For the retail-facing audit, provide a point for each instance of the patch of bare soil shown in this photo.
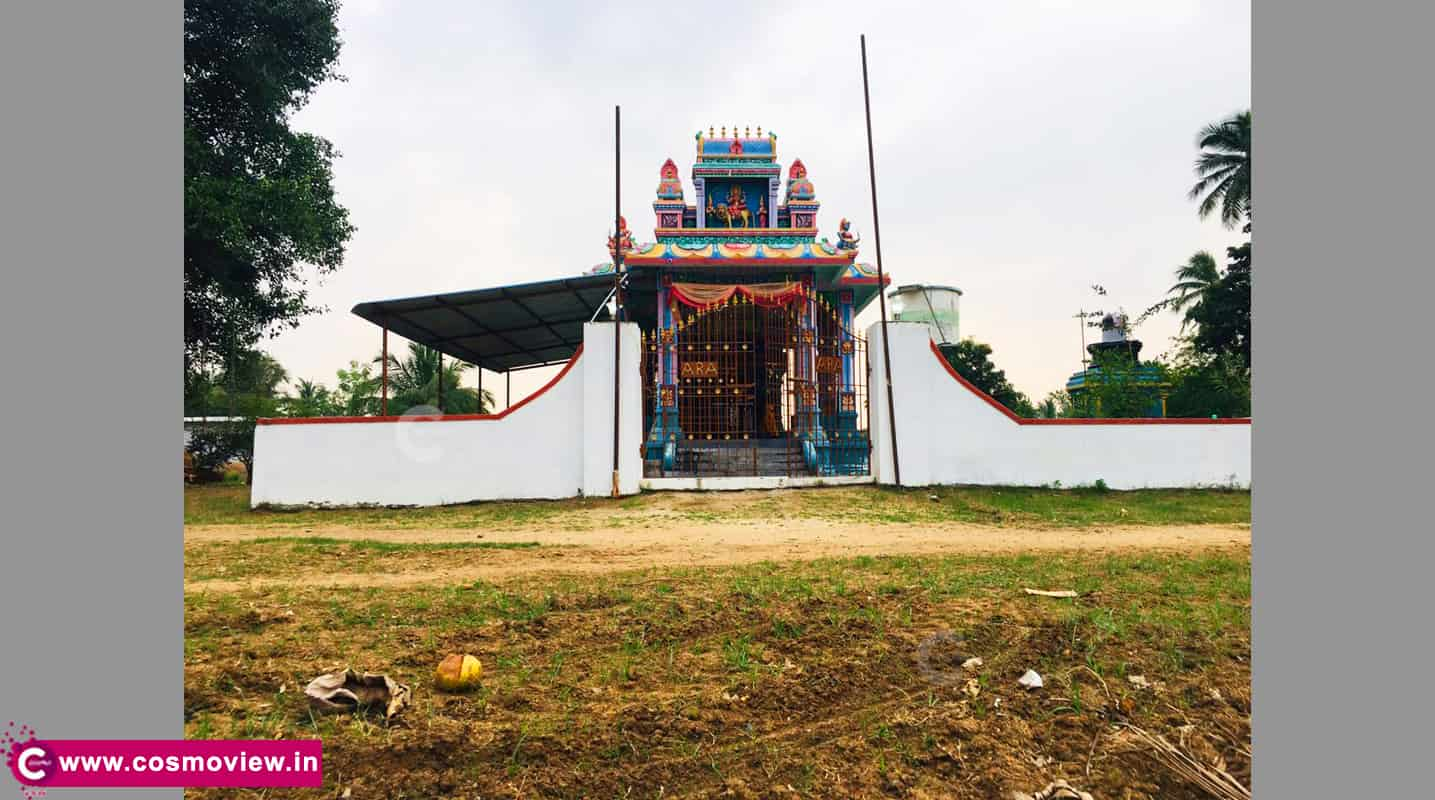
(850, 707)
(691, 545)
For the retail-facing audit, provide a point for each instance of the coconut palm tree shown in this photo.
(1224, 169)
(311, 400)
(413, 381)
(1193, 280)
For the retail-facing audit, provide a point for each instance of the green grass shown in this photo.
(281, 556)
(220, 504)
(871, 505)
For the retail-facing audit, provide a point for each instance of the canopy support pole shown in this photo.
(384, 409)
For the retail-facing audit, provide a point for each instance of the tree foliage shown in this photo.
(244, 383)
(358, 394)
(1119, 386)
(1208, 386)
(214, 446)
(1223, 169)
(1193, 280)
(258, 197)
(311, 399)
(1223, 318)
(414, 381)
(972, 360)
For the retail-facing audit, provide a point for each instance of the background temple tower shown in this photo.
(1117, 371)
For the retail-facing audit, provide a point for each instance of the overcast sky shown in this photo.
(1025, 150)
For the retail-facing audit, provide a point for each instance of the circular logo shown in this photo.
(34, 763)
(419, 443)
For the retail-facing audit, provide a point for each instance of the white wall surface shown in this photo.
(948, 434)
(545, 449)
(598, 410)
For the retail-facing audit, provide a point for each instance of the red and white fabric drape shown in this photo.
(706, 295)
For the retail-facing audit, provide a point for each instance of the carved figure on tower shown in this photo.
(845, 238)
(798, 186)
(670, 187)
(623, 239)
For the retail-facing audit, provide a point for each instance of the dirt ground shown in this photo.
(667, 649)
(693, 545)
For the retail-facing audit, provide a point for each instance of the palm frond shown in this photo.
(1223, 169)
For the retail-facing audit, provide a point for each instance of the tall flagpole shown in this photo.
(881, 281)
(617, 277)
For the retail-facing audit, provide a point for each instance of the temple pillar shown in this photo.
(773, 185)
(809, 411)
(849, 447)
(662, 440)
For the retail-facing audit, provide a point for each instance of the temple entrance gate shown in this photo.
(754, 380)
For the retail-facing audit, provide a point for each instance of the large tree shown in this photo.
(259, 206)
(1223, 318)
(1203, 385)
(1223, 169)
(972, 360)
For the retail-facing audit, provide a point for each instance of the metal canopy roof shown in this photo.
(499, 329)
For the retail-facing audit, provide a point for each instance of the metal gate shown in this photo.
(760, 390)
(827, 397)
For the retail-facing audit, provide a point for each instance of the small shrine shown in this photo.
(1117, 350)
(752, 365)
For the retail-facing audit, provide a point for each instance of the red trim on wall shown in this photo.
(436, 418)
(991, 401)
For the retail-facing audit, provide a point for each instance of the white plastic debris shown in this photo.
(1051, 592)
(1061, 790)
(975, 662)
(1030, 680)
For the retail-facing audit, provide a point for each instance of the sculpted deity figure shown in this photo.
(845, 238)
(736, 203)
(623, 238)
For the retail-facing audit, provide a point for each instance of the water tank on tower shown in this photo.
(937, 306)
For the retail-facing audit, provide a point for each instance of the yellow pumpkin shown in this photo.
(458, 673)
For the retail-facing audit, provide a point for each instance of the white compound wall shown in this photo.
(949, 432)
(556, 443)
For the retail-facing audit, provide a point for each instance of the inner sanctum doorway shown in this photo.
(764, 379)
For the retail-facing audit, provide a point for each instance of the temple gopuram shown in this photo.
(751, 362)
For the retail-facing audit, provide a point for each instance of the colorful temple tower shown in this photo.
(752, 365)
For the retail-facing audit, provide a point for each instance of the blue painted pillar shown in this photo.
(814, 440)
(663, 438)
(849, 446)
